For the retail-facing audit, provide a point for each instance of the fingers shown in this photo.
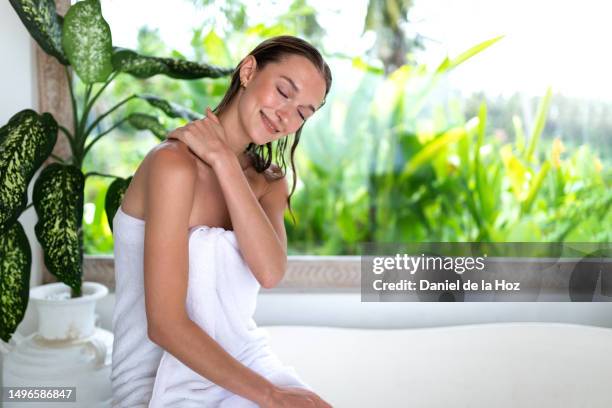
(176, 134)
(199, 125)
(316, 400)
(172, 135)
(211, 114)
(319, 403)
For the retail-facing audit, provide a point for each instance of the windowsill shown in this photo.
(305, 273)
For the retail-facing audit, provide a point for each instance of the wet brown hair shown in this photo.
(273, 50)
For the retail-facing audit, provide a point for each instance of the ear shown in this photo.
(248, 68)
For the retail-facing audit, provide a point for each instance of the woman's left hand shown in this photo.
(205, 137)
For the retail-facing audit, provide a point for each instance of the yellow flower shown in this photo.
(598, 165)
(557, 149)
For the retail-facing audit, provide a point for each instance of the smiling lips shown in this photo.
(268, 124)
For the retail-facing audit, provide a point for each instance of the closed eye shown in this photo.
(281, 92)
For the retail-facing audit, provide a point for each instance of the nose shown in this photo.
(283, 115)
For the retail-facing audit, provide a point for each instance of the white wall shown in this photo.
(18, 87)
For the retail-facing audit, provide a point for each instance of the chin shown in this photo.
(258, 139)
(263, 138)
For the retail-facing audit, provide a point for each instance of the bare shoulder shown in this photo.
(170, 157)
(171, 163)
(171, 151)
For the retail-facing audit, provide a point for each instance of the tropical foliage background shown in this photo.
(393, 156)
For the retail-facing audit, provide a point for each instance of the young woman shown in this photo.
(211, 183)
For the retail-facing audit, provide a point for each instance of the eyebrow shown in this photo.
(297, 90)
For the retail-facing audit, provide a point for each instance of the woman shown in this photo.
(213, 183)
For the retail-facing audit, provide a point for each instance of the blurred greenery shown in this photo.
(393, 157)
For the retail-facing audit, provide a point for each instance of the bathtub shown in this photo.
(543, 365)
(408, 354)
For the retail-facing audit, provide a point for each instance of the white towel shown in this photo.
(135, 357)
(221, 299)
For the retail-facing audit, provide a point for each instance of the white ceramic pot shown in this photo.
(67, 350)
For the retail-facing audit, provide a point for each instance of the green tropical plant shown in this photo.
(82, 42)
(217, 44)
(384, 163)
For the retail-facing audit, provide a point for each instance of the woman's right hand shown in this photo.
(293, 397)
(205, 137)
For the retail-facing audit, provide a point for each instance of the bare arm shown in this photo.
(168, 201)
(259, 228)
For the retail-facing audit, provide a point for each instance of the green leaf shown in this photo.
(480, 176)
(86, 37)
(114, 196)
(520, 135)
(535, 187)
(142, 121)
(216, 49)
(516, 171)
(25, 143)
(171, 109)
(43, 24)
(58, 200)
(426, 154)
(141, 66)
(449, 64)
(360, 63)
(15, 266)
(539, 123)
(262, 30)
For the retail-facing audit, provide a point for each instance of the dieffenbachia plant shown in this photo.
(82, 42)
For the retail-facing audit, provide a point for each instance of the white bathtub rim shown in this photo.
(468, 326)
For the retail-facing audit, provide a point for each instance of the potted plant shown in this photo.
(82, 42)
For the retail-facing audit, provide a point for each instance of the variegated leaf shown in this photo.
(142, 121)
(58, 199)
(114, 196)
(86, 38)
(171, 109)
(15, 264)
(25, 142)
(142, 66)
(43, 24)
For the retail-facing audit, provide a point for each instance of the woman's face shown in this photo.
(278, 98)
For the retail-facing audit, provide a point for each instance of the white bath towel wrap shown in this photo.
(221, 299)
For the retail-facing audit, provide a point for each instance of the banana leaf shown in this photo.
(25, 142)
(58, 200)
(15, 264)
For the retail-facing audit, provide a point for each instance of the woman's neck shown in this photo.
(236, 136)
